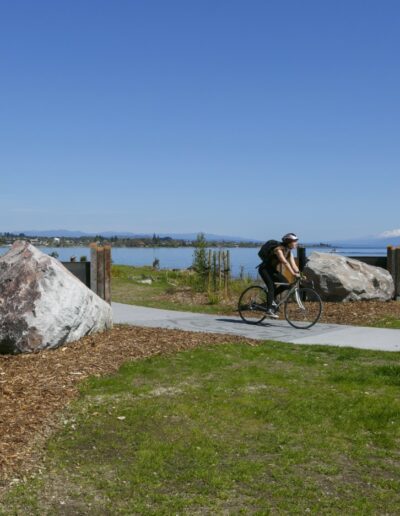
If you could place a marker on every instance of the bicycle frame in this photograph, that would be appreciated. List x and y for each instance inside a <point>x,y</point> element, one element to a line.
<point>293,287</point>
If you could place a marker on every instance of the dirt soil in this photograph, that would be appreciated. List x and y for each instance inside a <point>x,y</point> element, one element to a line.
<point>34,388</point>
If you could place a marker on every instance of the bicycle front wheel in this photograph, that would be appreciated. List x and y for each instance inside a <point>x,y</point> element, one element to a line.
<point>253,304</point>
<point>303,308</point>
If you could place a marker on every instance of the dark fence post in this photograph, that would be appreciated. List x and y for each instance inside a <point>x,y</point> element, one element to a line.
<point>393,266</point>
<point>301,257</point>
<point>390,259</point>
<point>396,271</point>
<point>390,265</point>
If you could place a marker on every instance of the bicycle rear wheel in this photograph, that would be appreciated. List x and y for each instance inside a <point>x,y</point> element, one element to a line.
<point>303,308</point>
<point>253,304</point>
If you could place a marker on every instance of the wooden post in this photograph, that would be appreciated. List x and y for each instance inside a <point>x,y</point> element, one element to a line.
<point>93,267</point>
<point>226,259</point>
<point>100,272</point>
<point>214,275</point>
<point>224,272</point>
<point>209,272</point>
<point>391,267</point>
<point>396,275</point>
<point>390,259</point>
<point>220,270</point>
<point>107,274</point>
<point>228,266</point>
<point>301,257</point>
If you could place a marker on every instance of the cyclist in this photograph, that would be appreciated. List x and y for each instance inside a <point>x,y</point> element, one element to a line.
<point>281,254</point>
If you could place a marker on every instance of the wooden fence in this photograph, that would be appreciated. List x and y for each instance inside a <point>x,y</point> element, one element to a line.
<point>219,270</point>
<point>390,262</point>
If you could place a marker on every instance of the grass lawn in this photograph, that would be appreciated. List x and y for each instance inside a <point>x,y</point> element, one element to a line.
<point>388,322</point>
<point>230,429</point>
<point>170,290</point>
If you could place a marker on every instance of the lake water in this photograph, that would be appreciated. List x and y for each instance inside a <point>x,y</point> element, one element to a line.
<point>182,257</point>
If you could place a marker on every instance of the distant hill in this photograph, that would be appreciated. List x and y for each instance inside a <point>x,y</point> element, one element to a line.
<point>391,237</point>
<point>65,233</point>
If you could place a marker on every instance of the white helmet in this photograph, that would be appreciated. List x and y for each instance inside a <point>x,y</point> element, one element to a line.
<point>289,237</point>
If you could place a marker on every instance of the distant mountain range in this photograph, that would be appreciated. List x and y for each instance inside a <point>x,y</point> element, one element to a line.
<point>391,237</point>
<point>65,233</point>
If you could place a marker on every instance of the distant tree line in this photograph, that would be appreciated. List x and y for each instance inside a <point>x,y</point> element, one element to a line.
<point>116,241</point>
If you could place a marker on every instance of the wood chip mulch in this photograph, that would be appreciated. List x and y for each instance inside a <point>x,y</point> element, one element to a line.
<point>360,313</point>
<point>357,313</point>
<point>34,388</point>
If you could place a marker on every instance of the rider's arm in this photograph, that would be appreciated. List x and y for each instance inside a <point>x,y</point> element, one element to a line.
<point>293,264</point>
<point>290,265</point>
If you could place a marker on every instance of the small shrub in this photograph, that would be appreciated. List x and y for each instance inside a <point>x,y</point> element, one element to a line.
<point>200,263</point>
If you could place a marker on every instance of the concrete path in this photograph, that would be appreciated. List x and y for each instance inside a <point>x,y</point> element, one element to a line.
<point>328,334</point>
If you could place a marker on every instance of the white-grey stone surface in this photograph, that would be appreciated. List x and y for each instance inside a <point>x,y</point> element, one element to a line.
<point>338,278</point>
<point>42,304</point>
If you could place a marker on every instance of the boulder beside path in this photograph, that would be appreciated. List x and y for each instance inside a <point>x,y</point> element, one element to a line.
<point>338,278</point>
<point>42,304</point>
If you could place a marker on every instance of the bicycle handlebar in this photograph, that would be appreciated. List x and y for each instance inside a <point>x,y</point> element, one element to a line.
<point>299,278</point>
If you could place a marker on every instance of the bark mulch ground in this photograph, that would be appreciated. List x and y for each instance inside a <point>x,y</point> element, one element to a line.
<point>34,388</point>
<point>360,313</point>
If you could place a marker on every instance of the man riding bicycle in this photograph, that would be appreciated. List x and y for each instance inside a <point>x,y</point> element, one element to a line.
<point>279,254</point>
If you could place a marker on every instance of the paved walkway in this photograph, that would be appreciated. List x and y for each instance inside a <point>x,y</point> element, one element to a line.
<point>328,334</point>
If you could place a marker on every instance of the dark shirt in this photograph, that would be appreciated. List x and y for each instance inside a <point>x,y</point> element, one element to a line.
<point>274,260</point>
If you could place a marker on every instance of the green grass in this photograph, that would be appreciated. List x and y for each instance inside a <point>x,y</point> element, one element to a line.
<point>231,429</point>
<point>127,288</point>
<point>387,322</point>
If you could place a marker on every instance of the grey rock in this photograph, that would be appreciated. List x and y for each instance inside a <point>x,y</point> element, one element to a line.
<point>338,278</point>
<point>43,305</point>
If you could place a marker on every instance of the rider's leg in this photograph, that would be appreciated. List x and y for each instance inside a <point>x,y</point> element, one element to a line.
<point>265,274</point>
<point>277,277</point>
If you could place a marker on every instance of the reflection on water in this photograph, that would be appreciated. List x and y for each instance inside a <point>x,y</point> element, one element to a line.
<point>244,258</point>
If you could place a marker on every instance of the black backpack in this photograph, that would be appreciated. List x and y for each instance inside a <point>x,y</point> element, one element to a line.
<point>267,249</point>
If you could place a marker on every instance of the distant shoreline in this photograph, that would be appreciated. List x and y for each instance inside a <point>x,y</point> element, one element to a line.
<point>211,245</point>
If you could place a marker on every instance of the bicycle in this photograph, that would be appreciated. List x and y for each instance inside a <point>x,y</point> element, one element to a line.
<point>302,305</point>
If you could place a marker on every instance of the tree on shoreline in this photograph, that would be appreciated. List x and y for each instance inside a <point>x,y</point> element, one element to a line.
<point>200,264</point>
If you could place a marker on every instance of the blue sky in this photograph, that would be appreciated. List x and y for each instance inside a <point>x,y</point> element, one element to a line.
<point>248,118</point>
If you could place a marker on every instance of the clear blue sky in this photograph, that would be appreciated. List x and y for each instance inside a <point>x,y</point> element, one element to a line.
<point>248,118</point>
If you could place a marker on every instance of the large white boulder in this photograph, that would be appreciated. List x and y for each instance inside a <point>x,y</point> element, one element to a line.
<point>43,305</point>
<point>338,278</point>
